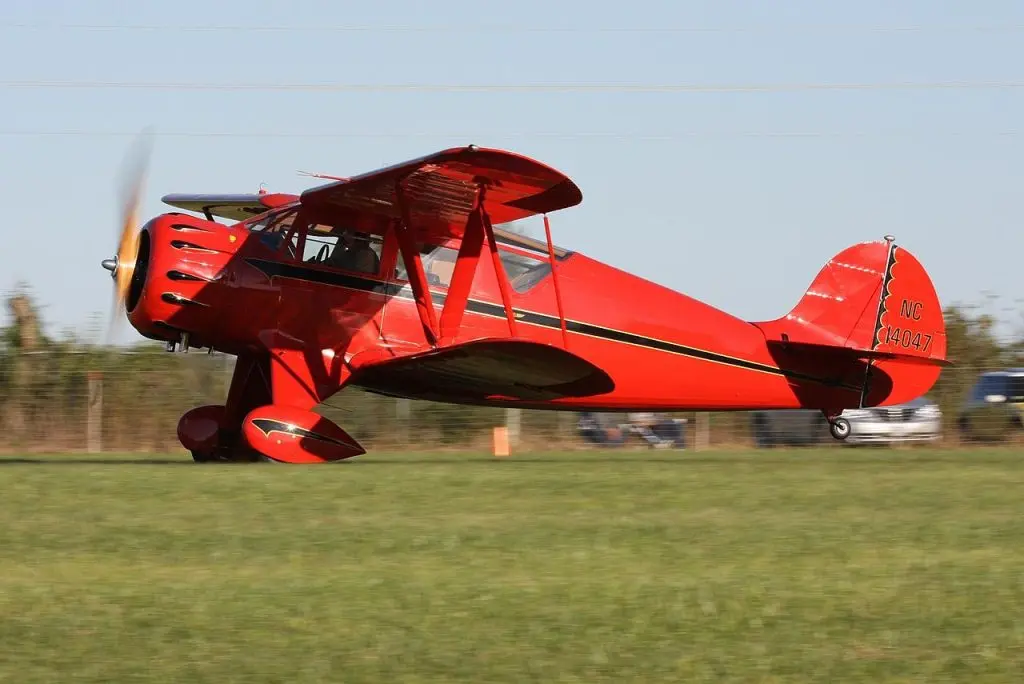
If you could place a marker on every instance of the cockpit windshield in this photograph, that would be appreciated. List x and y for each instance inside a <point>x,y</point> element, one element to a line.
<point>274,226</point>
<point>272,221</point>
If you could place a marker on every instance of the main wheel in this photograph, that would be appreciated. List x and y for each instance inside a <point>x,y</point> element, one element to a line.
<point>840,428</point>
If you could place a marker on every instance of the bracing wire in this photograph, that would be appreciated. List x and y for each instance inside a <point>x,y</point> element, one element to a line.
<point>557,135</point>
<point>577,87</point>
<point>518,28</point>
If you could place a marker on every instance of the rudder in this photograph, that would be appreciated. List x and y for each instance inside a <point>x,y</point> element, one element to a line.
<point>910,321</point>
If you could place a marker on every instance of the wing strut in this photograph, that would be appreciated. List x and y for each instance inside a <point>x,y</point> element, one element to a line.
<point>465,268</point>
<point>499,268</point>
<point>478,227</point>
<point>554,281</point>
<point>414,267</point>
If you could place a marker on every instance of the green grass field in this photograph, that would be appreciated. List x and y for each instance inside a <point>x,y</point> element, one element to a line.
<point>837,565</point>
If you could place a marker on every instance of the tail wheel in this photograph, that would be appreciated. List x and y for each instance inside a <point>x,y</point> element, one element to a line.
<point>840,428</point>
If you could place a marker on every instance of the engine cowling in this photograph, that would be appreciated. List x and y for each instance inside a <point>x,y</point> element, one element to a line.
<point>291,435</point>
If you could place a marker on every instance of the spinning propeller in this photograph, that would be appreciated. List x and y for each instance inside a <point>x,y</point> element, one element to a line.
<point>122,265</point>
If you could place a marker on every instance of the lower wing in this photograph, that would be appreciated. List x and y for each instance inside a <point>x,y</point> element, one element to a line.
<point>482,370</point>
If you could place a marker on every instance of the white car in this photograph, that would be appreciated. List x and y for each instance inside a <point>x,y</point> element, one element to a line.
<point>915,421</point>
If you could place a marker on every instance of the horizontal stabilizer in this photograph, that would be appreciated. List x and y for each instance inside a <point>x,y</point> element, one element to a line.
<point>482,370</point>
<point>851,353</point>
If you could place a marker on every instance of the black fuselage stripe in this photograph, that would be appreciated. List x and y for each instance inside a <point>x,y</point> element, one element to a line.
<point>274,269</point>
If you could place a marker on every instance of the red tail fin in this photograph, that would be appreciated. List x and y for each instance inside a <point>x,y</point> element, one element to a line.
<point>872,301</point>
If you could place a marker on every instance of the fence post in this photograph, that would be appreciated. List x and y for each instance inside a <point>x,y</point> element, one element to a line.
<point>513,421</point>
<point>702,438</point>
<point>94,413</point>
<point>565,433</point>
<point>402,412</point>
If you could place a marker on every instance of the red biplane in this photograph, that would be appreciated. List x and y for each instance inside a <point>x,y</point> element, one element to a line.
<point>400,282</point>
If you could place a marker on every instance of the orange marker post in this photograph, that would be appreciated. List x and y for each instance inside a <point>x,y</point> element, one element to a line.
<point>501,445</point>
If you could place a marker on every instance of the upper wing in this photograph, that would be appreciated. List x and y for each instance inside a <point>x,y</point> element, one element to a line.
<point>235,207</point>
<point>440,189</point>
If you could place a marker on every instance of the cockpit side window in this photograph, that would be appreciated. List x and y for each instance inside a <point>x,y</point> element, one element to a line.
<point>523,272</point>
<point>333,246</point>
<point>438,264</point>
<point>347,250</point>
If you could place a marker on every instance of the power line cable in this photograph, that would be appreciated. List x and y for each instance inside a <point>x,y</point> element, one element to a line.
<point>514,28</point>
<point>606,135</point>
<point>567,87</point>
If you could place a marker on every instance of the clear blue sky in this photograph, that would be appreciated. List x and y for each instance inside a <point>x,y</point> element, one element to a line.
<point>735,198</point>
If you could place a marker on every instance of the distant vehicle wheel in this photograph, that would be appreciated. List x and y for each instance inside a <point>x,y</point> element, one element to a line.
<point>840,428</point>
<point>964,430</point>
<point>762,433</point>
<point>200,457</point>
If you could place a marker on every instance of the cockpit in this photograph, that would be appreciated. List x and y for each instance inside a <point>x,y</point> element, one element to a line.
<point>346,248</point>
<point>333,246</point>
